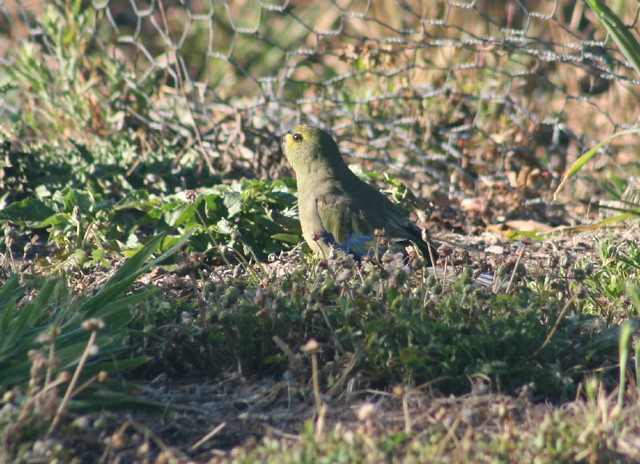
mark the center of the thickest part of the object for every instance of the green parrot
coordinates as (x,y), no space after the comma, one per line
(340,211)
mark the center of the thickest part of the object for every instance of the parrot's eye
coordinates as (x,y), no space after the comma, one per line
(297,137)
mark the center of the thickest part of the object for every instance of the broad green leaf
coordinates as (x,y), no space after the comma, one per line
(180,215)
(136,199)
(233,202)
(29,210)
(75,198)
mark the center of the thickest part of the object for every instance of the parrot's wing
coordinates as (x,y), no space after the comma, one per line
(347,224)
(405,233)
(344,224)
(401,229)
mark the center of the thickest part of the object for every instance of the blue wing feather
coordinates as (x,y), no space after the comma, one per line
(348,227)
(356,244)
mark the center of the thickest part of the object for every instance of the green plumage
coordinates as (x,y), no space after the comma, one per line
(339,210)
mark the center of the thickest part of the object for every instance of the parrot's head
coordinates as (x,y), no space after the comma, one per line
(309,149)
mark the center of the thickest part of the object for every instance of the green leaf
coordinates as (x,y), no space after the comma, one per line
(288,238)
(75,198)
(30,211)
(137,199)
(233,202)
(181,215)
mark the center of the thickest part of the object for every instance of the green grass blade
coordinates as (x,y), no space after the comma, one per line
(582,160)
(22,325)
(129,272)
(9,293)
(619,31)
(27,317)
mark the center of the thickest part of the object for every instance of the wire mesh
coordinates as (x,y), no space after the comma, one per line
(433,90)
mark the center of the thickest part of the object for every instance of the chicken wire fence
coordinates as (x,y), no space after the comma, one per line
(438,88)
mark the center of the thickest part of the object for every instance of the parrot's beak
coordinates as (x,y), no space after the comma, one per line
(284,139)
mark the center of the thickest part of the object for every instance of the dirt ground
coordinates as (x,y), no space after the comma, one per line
(208,418)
